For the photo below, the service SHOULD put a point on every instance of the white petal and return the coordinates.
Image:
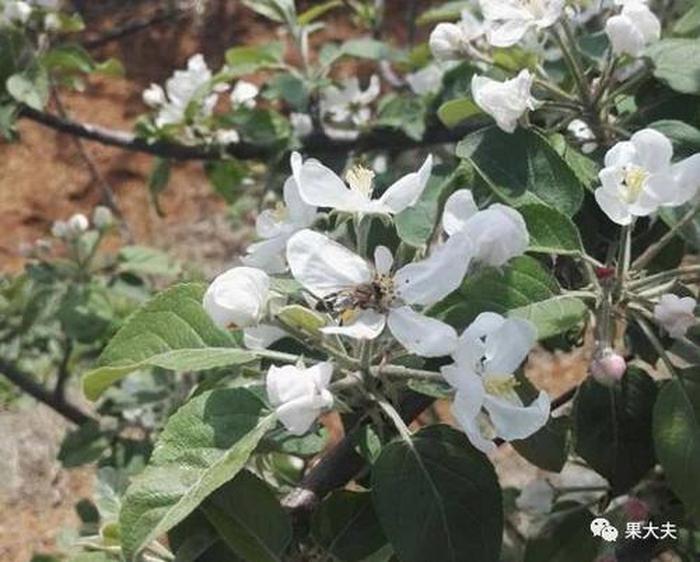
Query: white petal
(507, 33)
(323, 266)
(321, 373)
(499, 234)
(654, 150)
(468, 384)
(406, 191)
(470, 425)
(624, 37)
(262, 337)
(471, 347)
(428, 281)
(287, 383)
(686, 175)
(513, 421)
(644, 20)
(611, 204)
(301, 214)
(508, 346)
(383, 260)
(419, 334)
(621, 154)
(237, 297)
(268, 255)
(299, 415)
(368, 325)
(459, 208)
(321, 187)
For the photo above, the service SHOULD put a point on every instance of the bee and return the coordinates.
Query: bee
(373, 295)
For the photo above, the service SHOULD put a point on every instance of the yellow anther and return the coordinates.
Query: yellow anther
(500, 385)
(633, 182)
(360, 179)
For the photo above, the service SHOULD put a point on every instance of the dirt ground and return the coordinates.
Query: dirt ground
(44, 178)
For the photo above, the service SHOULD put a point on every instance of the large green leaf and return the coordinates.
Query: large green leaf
(547, 448)
(551, 232)
(249, 519)
(677, 436)
(677, 63)
(250, 58)
(437, 498)
(346, 526)
(566, 537)
(171, 331)
(204, 445)
(613, 428)
(523, 167)
(690, 232)
(522, 288)
(453, 112)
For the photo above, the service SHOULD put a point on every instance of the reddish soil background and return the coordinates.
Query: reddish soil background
(44, 178)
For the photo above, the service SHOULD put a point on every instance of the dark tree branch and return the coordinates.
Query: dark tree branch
(314, 144)
(25, 382)
(342, 463)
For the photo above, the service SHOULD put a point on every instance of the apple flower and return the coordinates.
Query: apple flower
(321, 187)
(299, 395)
(16, 11)
(426, 81)
(583, 134)
(607, 367)
(367, 297)
(239, 298)
(244, 94)
(507, 21)
(498, 233)
(450, 41)
(181, 89)
(633, 28)
(505, 101)
(488, 352)
(346, 109)
(638, 177)
(275, 227)
(675, 315)
(302, 124)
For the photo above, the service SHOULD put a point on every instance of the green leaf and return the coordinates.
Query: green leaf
(553, 316)
(226, 176)
(685, 137)
(613, 428)
(158, 181)
(523, 167)
(143, 260)
(677, 436)
(547, 448)
(282, 11)
(251, 58)
(249, 519)
(449, 11)
(551, 232)
(366, 48)
(203, 446)
(302, 318)
(405, 113)
(83, 445)
(69, 58)
(566, 537)
(317, 11)
(346, 526)
(689, 23)
(171, 331)
(453, 112)
(437, 498)
(689, 232)
(30, 87)
(677, 63)
(86, 313)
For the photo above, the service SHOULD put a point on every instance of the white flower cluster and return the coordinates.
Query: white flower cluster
(189, 99)
(346, 109)
(382, 299)
(19, 12)
(78, 224)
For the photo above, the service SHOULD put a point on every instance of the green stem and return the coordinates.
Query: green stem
(656, 344)
(396, 419)
(664, 276)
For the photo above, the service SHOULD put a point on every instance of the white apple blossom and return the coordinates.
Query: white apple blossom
(244, 93)
(507, 21)
(224, 137)
(676, 315)
(638, 177)
(426, 81)
(346, 109)
(633, 28)
(321, 187)
(505, 101)
(498, 233)
(450, 41)
(302, 124)
(488, 352)
(102, 217)
(17, 12)
(583, 133)
(77, 225)
(276, 226)
(299, 395)
(154, 96)
(238, 297)
(367, 297)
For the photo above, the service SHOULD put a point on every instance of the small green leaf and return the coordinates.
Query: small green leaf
(171, 331)
(144, 260)
(250, 58)
(403, 112)
(346, 526)
(366, 48)
(554, 316)
(677, 63)
(448, 11)
(551, 232)
(30, 87)
(437, 498)
(317, 11)
(282, 11)
(301, 318)
(677, 436)
(83, 445)
(453, 112)
(689, 23)
(613, 428)
(204, 444)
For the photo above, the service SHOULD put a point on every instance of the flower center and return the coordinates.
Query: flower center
(280, 212)
(500, 385)
(360, 179)
(633, 182)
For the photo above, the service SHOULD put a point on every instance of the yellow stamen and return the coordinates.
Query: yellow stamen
(360, 179)
(280, 211)
(633, 183)
(500, 385)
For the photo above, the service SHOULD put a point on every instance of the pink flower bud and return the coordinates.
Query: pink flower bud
(608, 367)
(636, 509)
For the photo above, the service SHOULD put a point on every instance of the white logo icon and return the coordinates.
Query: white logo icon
(601, 527)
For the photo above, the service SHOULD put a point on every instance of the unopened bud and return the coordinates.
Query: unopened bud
(102, 218)
(77, 224)
(608, 367)
(636, 509)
